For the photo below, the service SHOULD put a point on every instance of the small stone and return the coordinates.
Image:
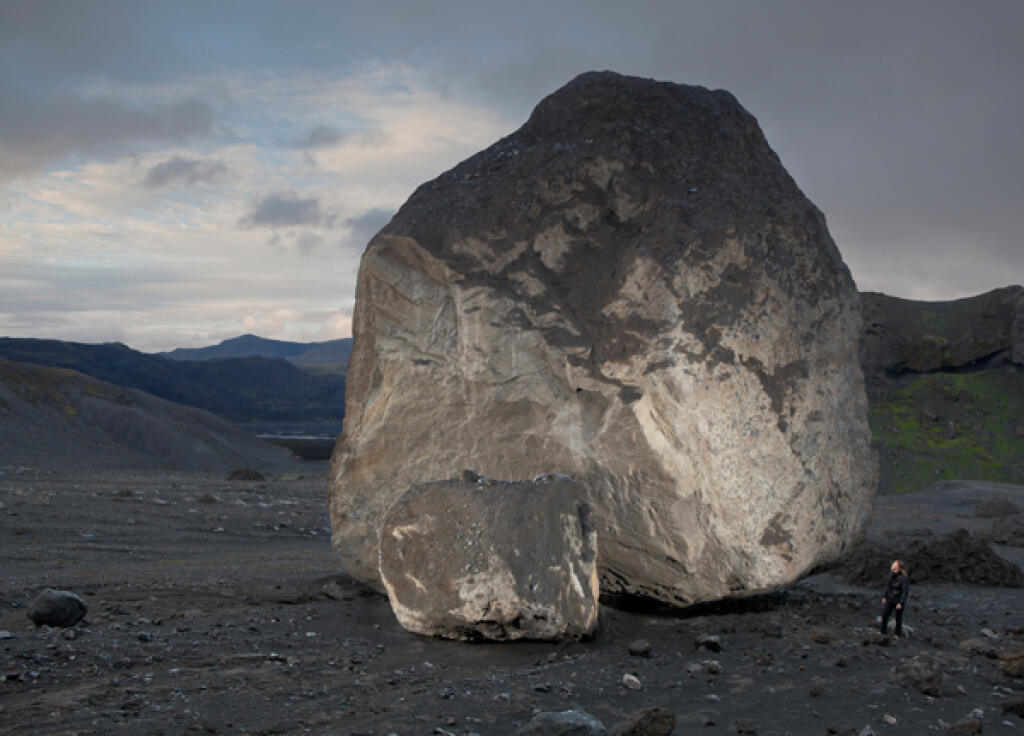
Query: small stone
(632, 682)
(990, 634)
(567, 723)
(867, 731)
(891, 720)
(647, 722)
(712, 666)
(823, 635)
(640, 648)
(967, 725)
(6, 635)
(207, 498)
(745, 727)
(1014, 706)
(57, 608)
(246, 474)
(1011, 661)
(708, 641)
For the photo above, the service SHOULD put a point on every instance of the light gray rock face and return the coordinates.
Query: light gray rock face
(492, 560)
(631, 290)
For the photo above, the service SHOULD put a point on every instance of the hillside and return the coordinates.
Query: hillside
(245, 390)
(946, 387)
(329, 354)
(62, 420)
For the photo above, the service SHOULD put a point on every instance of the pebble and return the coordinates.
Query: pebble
(632, 682)
(708, 641)
(640, 648)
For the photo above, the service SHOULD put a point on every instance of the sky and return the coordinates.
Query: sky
(176, 173)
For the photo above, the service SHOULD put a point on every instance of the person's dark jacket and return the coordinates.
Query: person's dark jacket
(898, 588)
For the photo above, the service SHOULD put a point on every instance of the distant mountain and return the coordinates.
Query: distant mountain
(56, 418)
(329, 354)
(243, 390)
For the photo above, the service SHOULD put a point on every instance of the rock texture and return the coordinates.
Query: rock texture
(491, 560)
(902, 335)
(57, 608)
(630, 289)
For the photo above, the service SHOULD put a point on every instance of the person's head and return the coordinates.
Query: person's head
(897, 566)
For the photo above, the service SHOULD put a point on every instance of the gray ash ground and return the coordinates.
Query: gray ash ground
(217, 607)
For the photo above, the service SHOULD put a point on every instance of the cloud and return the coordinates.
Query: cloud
(322, 136)
(366, 225)
(179, 168)
(285, 209)
(35, 133)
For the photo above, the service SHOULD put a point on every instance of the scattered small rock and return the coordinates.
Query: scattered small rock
(246, 474)
(891, 720)
(966, 725)
(921, 672)
(1014, 706)
(207, 498)
(640, 648)
(710, 642)
(824, 635)
(57, 608)
(1011, 661)
(647, 722)
(632, 682)
(565, 723)
(745, 727)
(979, 647)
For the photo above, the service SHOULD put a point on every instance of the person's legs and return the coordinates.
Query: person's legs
(899, 622)
(887, 609)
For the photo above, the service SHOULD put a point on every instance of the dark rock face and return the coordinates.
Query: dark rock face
(958, 557)
(491, 560)
(631, 290)
(1009, 531)
(903, 335)
(57, 608)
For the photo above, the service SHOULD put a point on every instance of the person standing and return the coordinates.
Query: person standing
(894, 600)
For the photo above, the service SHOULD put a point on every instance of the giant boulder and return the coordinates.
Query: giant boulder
(630, 289)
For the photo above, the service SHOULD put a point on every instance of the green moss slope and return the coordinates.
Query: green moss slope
(948, 426)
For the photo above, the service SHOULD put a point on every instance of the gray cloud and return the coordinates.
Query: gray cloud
(323, 136)
(365, 226)
(285, 209)
(33, 134)
(189, 170)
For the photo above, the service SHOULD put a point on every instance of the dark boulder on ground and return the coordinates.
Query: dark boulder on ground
(647, 722)
(57, 608)
(632, 290)
(957, 557)
(921, 672)
(492, 560)
(995, 508)
(1008, 530)
(1011, 661)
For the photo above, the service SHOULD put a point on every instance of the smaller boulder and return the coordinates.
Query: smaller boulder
(632, 682)
(1014, 706)
(498, 560)
(566, 723)
(708, 641)
(1011, 661)
(995, 508)
(57, 608)
(647, 722)
(640, 648)
(1008, 530)
(966, 725)
(922, 673)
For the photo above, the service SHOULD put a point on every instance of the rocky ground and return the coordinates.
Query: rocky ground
(218, 607)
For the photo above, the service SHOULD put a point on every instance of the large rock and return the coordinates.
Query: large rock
(630, 289)
(492, 560)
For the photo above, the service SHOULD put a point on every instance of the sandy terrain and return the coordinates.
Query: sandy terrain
(218, 607)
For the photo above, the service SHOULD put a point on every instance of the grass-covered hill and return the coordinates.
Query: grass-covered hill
(61, 419)
(246, 390)
(946, 387)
